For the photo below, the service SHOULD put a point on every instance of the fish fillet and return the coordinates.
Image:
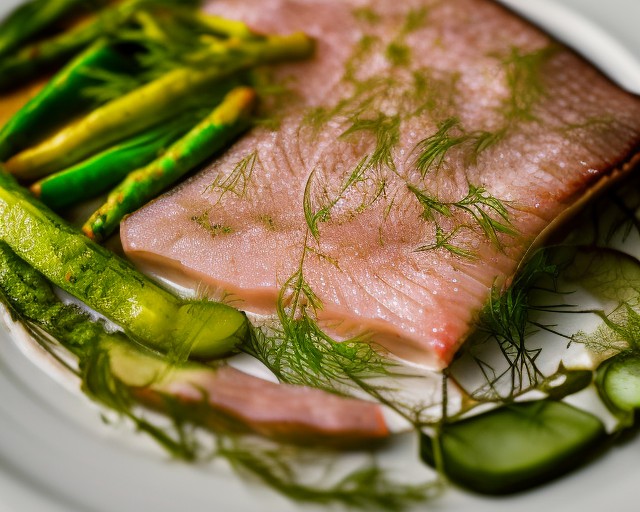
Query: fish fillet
(404, 173)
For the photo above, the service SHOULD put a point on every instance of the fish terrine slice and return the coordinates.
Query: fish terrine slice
(412, 163)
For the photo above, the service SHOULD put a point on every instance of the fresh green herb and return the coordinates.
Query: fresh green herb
(316, 213)
(367, 15)
(386, 130)
(443, 240)
(213, 229)
(237, 181)
(450, 135)
(506, 325)
(524, 80)
(366, 488)
(434, 148)
(398, 54)
(487, 212)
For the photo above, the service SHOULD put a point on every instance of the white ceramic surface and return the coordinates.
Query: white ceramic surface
(56, 454)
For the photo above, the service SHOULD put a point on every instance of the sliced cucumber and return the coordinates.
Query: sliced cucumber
(618, 382)
(517, 446)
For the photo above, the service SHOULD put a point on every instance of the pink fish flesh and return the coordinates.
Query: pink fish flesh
(408, 168)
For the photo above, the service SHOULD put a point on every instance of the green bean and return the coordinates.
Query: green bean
(224, 123)
(59, 100)
(49, 53)
(30, 19)
(152, 103)
(103, 171)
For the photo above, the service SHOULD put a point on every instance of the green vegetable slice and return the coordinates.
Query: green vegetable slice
(517, 446)
(619, 382)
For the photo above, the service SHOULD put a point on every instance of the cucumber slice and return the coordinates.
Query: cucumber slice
(618, 382)
(516, 447)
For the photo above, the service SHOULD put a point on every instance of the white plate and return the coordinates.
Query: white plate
(56, 454)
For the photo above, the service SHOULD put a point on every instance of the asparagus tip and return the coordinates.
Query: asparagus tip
(87, 229)
(36, 189)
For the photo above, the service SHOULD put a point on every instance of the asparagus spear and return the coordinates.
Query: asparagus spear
(59, 100)
(212, 134)
(101, 172)
(30, 60)
(148, 313)
(31, 18)
(152, 103)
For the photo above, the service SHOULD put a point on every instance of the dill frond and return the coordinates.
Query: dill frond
(362, 50)
(415, 20)
(506, 321)
(524, 80)
(433, 150)
(386, 130)
(399, 54)
(443, 241)
(238, 180)
(367, 15)
(314, 213)
(368, 487)
(488, 213)
(110, 85)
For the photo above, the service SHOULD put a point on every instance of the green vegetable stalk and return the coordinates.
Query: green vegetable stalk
(59, 100)
(103, 171)
(30, 60)
(152, 103)
(224, 123)
(31, 18)
(148, 313)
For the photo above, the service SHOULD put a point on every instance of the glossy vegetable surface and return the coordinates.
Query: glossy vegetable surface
(149, 314)
(516, 446)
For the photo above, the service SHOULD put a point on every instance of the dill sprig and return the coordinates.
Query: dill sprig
(110, 85)
(507, 322)
(367, 15)
(238, 180)
(398, 52)
(450, 134)
(488, 213)
(386, 130)
(443, 240)
(316, 213)
(367, 487)
(299, 351)
(524, 80)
